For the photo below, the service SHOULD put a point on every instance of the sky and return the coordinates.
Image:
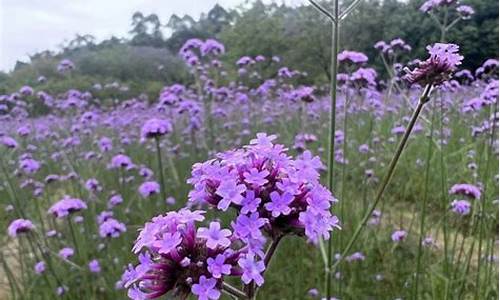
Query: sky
(29, 26)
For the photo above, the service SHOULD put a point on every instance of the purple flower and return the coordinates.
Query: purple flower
(60, 290)
(263, 140)
(292, 188)
(40, 267)
(356, 256)
(173, 251)
(216, 266)
(67, 252)
(26, 90)
(249, 226)
(313, 293)
(465, 11)
(149, 188)
(398, 236)
(29, 165)
(93, 185)
(279, 204)
(443, 61)
(168, 242)
(364, 77)
(105, 144)
(364, 148)
(121, 161)
(251, 269)
(256, 178)
(465, 189)
(318, 225)
(250, 203)
(398, 130)
(94, 266)
(19, 226)
(114, 201)
(205, 289)
(111, 228)
(352, 57)
(65, 65)
(154, 128)
(9, 142)
(461, 207)
(428, 242)
(66, 206)
(213, 47)
(214, 235)
(230, 193)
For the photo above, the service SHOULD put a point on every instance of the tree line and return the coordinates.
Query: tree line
(298, 34)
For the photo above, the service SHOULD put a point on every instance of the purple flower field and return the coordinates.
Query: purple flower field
(244, 184)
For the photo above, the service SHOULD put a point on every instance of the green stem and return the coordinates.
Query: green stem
(73, 236)
(160, 170)
(267, 260)
(444, 194)
(489, 146)
(423, 208)
(331, 136)
(392, 166)
(231, 290)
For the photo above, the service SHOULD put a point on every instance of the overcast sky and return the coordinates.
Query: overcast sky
(29, 26)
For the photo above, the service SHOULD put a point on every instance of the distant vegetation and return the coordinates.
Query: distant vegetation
(148, 60)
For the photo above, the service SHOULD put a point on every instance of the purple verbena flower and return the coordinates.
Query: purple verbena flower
(279, 204)
(19, 226)
(66, 252)
(149, 188)
(94, 266)
(399, 235)
(66, 206)
(461, 207)
(40, 267)
(443, 61)
(206, 289)
(465, 189)
(251, 269)
(154, 128)
(217, 267)
(214, 235)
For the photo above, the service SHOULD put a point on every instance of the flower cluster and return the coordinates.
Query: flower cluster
(19, 226)
(443, 60)
(461, 207)
(466, 189)
(183, 259)
(66, 206)
(111, 228)
(65, 65)
(430, 5)
(393, 47)
(273, 193)
(154, 128)
(465, 11)
(205, 48)
(352, 57)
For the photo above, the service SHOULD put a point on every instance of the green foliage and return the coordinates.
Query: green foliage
(302, 35)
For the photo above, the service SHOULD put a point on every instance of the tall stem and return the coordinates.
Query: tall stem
(392, 167)
(331, 136)
(424, 207)
(267, 260)
(489, 146)
(160, 170)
